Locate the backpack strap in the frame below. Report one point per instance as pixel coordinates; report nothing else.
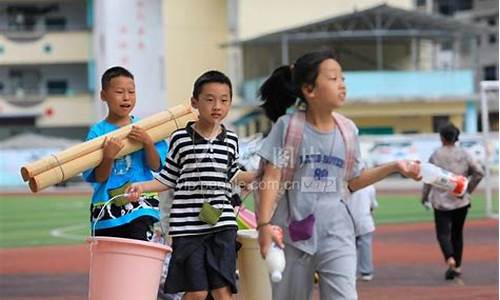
(289, 154)
(348, 132)
(293, 139)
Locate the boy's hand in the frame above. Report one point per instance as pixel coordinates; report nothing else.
(112, 147)
(139, 135)
(245, 190)
(409, 168)
(134, 192)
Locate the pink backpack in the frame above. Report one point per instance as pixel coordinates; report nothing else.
(293, 139)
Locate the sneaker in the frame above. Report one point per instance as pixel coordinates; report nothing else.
(427, 205)
(366, 277)
(451, 274)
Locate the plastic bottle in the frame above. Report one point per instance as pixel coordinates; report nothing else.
(438, 177)
(275, 261)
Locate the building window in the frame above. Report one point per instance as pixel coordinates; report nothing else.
(449, 7)
(55, 23)
(446, 45)
(492, 21)
(492, 38)
(25, 17)
(1, 49)
(493, 121)
(445, 9)
(420, 3)
(57, 87)
(47, 48)
(464, 4)
(24, 82)
(1, 87)
(490, 73)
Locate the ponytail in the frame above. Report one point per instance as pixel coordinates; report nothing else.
(283, 87)
(278, 93)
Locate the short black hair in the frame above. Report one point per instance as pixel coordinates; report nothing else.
(449, 133)
(209, 77)
(112, 73)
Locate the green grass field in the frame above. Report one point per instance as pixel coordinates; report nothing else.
(28, 220)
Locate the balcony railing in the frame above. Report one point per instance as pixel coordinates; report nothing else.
(75, 108)
(52, 47)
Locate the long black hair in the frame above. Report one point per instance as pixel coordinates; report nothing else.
(284, 86)
(449, 133)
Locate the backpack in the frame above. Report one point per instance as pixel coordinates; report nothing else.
(293, 139)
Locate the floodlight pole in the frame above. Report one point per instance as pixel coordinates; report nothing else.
(485, 86)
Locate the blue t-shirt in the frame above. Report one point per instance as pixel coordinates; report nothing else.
(127, 169)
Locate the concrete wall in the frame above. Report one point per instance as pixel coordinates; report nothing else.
(194, 32)
(258, 17)
(66, 111)
(54, 47)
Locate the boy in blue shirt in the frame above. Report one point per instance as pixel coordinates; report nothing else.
(113, 175)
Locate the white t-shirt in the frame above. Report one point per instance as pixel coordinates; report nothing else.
(361, 204)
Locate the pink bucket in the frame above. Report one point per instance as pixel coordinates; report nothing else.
(125, 269)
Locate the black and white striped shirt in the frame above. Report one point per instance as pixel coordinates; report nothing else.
(200, 171)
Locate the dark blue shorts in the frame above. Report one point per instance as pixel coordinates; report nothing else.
(202, 262)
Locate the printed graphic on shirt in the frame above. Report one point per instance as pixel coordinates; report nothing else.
(319, 172)
(122, 165)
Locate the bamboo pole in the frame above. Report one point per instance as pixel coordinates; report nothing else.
(91, 160)
(49, 162)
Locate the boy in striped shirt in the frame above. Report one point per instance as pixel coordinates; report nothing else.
(201, 167)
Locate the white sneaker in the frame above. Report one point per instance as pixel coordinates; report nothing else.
(366, 277)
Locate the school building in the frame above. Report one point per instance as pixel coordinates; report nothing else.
(45, 67)
(53, 52)
(408, 68)
(410, 65)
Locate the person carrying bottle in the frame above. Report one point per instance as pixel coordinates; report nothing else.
(318, 230)
(450, 210)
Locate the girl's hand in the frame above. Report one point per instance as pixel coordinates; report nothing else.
(265, 239)
(409, 168)
(139, 135)
(112, 147)
(134, 192)
(267, 235)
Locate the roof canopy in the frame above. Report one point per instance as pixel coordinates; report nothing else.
(381, 21)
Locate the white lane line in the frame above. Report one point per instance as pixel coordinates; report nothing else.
(66, 232)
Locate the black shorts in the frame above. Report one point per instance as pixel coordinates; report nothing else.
(138, 229)
(203, 263)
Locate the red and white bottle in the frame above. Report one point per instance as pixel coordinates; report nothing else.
(440, 178)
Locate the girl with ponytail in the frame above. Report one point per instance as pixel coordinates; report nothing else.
(312, 162)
